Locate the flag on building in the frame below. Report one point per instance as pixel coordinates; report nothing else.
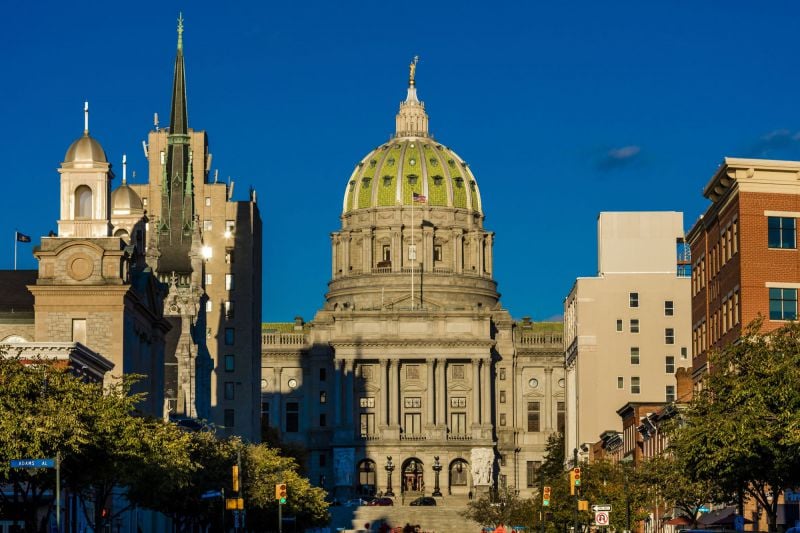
(21, 237)
(421, 198)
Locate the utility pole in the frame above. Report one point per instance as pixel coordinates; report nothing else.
(575, 507)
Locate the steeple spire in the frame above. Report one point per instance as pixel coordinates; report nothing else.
(180, 31)
(178, 119)
(412, 121)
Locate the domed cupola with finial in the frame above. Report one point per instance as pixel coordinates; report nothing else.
(127, 210)
(85, 191)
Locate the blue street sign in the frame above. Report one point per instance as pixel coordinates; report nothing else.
(207, 495)
(791, 496)
(703, 509)
(33, 463)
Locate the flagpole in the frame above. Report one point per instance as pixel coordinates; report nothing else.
(16, 234)
(412, 250)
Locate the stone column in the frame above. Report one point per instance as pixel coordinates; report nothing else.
(458, 251)
(476, 245)
(481, 240)
(384, 395)
(476, 391)
(346, 254)
(427, 243)
(397, 250)
(366, 264)
(336, 395)
(519, 405)
(349, 383)
(441, 393)
(393, 394)
(489, 253)
(429, 402)
(334, 255)
(548, 399)
(486, 391)
(278, 397)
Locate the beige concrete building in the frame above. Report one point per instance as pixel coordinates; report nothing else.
(413, 378)
(627, 330)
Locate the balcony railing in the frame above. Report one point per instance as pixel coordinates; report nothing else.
(293, 339)
(370, 436)
(540, 339)
(413, 436)
(457, 436)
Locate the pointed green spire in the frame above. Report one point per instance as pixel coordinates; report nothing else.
(180, 31)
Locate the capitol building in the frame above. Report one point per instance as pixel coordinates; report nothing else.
(412, 378)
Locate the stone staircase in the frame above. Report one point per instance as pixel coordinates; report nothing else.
(446, 517)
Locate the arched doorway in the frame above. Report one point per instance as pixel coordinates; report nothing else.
(413, 475)
(458, 477)
(366, 478)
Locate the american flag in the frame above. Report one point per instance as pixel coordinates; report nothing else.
(420, 198)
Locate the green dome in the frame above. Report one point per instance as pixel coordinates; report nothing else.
(389, 175)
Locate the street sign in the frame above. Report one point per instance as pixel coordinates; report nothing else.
(791, 496)
(601, 518)
(33, 463)
(601, 507)
(210, 494)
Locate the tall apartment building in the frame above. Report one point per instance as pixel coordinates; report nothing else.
(207, 249)
(626, 330)
(744, 253)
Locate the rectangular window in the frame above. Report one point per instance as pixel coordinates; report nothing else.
(502, 374)
(782, 304)
(781, 232)
(634, 355)
(502, 396)
(533, 416)
(265, 414)
(669, 308)
(634, 325)
(634, 299)
(208, 201)
(292, 417)
(458, 371)
(230, 390)
(684, 352)
(437, 252)
(323, 420)
(561, 416)
(366, 424)
(387, 252)
(229, 418)
(230, 227)
(209, 279)
(207, 226)
(230, 362)
(323, 397)
(669, 336)
(620, 382)
(502, 419)
(458, 423)
(229, 256)
(229, 284)
(619, 324)
(669, 364)
(532, 469)
(230, 336)
(635, 387)
(412, 402)
(670, 393)
(367, 402)
(228, 309)
(323, 374)
(79, 330)
(458, 401)
(413, 424)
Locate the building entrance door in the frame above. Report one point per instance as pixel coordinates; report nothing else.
(413, 476)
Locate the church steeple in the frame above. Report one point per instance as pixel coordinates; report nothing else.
(177, 205)
(412, 121)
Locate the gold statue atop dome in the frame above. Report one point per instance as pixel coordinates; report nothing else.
(412, 70)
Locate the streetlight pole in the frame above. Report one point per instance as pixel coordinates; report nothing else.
(437, 467)
(575, 507)
(389, 467)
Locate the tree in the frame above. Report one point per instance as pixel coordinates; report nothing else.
(503, 506)
(559, 514)
(740, 431)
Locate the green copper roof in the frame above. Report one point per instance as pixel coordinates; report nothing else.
(393, 172)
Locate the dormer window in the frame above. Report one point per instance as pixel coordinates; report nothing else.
(390, 161)
(459, 182)
(387, 180)
(451, 162)
(372, 163)
(352, 185)
(472, 185)
(434, 162)
(366, 181)
(437, 180)
(412, 179)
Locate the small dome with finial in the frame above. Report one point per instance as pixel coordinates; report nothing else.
(85, 149)
(124, 200)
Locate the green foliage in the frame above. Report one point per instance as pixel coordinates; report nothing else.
(502, 507)
(741, 431)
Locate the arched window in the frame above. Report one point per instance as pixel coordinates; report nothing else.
(458, 473)
(83, 202)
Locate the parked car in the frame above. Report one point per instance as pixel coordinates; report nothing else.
(381, 501)
(356, 502)
(423, 500)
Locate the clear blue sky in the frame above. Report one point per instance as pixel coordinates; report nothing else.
(562, 109)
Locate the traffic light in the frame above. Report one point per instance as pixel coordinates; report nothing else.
(577, 477)
(546, 496)
(280, 492)
(235, 476)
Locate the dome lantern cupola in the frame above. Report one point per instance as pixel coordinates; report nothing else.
(412, 121)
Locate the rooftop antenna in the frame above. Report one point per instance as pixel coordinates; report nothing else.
(230, 189)
(155, 120)
(124, 169)
(86, 117)
(216, 175)
(144, 147)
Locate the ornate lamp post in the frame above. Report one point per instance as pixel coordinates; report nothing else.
(389, 467)
(437, 467)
